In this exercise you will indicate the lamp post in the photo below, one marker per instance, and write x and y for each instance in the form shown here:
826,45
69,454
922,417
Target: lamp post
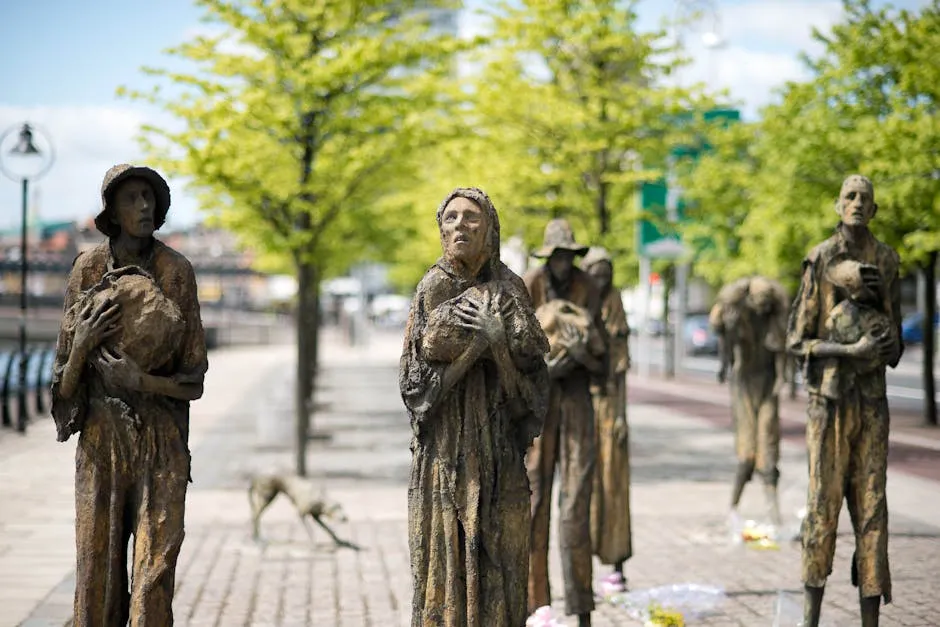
691,13
702,17
24,161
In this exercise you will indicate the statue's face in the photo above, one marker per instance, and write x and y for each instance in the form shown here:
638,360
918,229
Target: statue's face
856,203
762,304
602,273
133,208
561,263
463,230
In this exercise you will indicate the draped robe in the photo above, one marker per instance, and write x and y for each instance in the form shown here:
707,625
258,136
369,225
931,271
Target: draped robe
468,498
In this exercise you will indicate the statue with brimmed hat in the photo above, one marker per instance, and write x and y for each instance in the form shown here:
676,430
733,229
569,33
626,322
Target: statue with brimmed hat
568,303
845,326
749,317
130,357
611,532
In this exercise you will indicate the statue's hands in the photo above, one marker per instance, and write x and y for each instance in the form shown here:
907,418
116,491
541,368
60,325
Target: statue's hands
885,345
95,324
865,348
573,343
120,370
621,430
485,317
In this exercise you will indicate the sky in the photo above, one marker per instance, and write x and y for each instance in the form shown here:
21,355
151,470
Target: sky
63,61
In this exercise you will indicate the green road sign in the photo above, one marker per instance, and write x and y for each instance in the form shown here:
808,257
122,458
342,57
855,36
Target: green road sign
657,238
654,237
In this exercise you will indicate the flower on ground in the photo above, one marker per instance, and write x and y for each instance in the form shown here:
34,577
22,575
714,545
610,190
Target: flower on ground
542,617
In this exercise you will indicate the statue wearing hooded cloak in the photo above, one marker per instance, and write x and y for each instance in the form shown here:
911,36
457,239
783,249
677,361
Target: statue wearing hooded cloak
474,409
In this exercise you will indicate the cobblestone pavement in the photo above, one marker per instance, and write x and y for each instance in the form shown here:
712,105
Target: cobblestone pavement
682,469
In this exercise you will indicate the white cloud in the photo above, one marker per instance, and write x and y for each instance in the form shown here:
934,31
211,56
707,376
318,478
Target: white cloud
763,39
779,23
87,141
473,21
229,44
751,76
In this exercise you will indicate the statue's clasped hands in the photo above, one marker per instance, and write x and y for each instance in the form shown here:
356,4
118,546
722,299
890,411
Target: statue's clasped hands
484,316
574,343
879,343
119,370
96,323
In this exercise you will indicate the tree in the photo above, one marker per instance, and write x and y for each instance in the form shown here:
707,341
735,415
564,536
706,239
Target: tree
294,134
569,110
767,189
870,107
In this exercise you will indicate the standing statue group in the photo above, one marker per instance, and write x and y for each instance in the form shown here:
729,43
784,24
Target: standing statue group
844,327
506,380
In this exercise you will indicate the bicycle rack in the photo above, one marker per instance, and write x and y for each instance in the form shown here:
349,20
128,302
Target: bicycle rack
7,415
46,357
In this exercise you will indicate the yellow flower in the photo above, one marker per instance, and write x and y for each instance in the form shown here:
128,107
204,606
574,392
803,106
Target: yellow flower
664,617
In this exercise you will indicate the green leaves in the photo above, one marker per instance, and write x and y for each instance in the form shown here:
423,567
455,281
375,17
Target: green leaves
298,116
768,190
569,111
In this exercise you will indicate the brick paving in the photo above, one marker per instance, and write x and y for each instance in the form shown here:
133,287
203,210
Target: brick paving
682,468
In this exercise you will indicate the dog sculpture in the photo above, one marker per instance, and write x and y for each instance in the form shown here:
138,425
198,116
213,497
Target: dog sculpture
309,504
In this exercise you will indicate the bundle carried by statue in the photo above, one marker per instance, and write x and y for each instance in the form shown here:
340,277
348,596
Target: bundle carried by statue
151,324
559,315
861,312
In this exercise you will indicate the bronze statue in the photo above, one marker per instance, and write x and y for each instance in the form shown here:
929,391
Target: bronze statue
130,357
569,305
846,327
474,380
610,501
750,317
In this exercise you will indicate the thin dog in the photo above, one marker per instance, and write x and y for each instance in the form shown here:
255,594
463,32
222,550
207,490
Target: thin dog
309,504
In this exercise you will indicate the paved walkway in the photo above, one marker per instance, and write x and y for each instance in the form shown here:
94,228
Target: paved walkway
683,464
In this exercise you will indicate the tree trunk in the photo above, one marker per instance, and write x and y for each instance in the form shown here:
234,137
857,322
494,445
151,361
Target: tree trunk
669,337
930,310
308,287
305,343
314,331
603,212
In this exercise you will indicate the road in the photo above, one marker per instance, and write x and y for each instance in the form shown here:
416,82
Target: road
905,388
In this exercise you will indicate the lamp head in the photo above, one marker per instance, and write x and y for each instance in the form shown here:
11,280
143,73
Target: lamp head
25,146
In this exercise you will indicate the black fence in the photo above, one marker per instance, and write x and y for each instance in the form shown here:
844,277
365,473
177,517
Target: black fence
20,404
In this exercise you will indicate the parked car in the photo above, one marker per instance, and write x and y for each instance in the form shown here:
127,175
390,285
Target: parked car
698,337
655,327
912,327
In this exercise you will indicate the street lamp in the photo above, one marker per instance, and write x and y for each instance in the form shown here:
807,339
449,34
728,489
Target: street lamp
24,161
690,13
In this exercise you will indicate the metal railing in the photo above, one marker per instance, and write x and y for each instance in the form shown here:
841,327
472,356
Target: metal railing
34,396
